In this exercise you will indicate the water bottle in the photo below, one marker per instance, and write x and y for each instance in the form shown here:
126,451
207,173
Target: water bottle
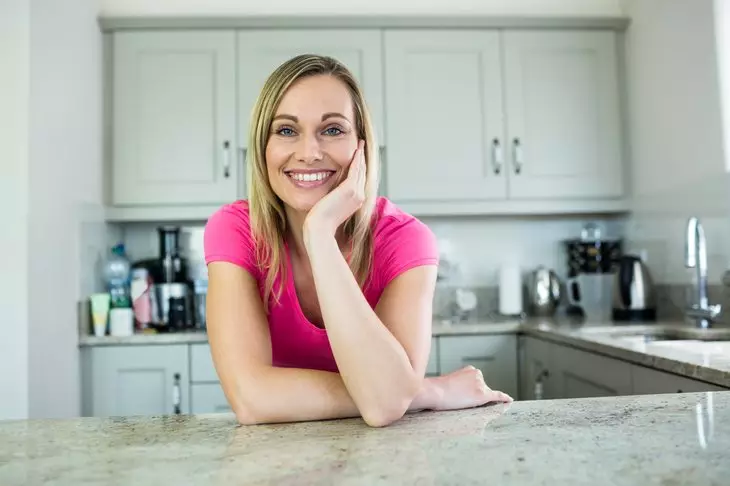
117,276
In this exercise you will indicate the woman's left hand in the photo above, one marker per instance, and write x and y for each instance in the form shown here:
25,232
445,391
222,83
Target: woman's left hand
336,207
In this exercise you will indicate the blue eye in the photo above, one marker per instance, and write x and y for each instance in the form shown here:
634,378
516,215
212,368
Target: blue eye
285,131
333,131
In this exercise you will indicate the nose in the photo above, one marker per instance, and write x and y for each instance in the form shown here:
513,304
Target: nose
308,150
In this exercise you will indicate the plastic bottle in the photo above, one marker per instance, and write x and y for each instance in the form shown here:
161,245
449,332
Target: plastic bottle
117,277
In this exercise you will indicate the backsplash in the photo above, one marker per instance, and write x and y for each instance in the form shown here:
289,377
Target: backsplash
478,245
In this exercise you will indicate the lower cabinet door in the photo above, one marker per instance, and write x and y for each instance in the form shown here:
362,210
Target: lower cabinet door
208,398
648,381
495,355
581,374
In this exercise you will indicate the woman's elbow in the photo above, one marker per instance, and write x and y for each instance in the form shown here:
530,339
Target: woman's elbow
384,414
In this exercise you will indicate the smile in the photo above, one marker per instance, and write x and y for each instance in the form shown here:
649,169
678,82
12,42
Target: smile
309,179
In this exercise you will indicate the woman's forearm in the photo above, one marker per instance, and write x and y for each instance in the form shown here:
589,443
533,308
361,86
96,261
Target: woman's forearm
374,366
297,395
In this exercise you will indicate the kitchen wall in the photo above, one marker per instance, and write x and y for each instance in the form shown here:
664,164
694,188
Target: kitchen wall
376,7
14,90
722,36
54,195
478,244
677,161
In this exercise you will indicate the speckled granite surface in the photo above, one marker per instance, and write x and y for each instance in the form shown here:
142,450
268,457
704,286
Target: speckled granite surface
645,440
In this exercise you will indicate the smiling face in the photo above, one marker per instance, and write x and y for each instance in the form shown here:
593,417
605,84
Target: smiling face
312,141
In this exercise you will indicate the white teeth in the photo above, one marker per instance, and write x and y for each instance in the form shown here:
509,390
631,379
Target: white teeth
318,176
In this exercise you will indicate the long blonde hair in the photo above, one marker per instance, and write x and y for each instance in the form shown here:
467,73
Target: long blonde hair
267,214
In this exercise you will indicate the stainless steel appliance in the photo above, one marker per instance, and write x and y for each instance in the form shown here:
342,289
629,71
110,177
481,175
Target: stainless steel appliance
543,292
173,307
634,294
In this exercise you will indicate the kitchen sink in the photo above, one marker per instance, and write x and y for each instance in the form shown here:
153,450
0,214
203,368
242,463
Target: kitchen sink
676,334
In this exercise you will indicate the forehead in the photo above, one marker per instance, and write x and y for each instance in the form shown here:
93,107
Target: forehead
315,95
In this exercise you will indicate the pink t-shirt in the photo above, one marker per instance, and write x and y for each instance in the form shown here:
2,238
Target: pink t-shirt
401,242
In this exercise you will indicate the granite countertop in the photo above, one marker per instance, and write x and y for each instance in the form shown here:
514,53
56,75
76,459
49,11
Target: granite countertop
637,440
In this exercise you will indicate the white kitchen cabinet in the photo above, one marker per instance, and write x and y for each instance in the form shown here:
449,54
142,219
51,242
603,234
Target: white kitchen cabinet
208,398
174,117
649,381
260,52
580,374
494,355
135,380
432,368
562,104
444,116
535,369
503,121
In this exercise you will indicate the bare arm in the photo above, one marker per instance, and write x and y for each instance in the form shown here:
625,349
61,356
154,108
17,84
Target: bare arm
381,354
241,349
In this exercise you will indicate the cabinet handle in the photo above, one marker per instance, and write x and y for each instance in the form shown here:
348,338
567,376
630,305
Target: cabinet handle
226,159
382,182
496,156
517,155
176,398
539,385
242,153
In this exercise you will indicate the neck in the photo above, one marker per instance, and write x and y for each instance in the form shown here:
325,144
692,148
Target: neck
295,232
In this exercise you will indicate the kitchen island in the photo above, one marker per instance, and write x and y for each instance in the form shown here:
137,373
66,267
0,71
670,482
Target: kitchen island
644,440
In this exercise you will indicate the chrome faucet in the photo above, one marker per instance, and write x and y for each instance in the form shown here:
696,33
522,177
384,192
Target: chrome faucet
695,256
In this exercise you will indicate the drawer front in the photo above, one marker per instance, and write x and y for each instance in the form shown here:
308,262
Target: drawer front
208,398
201,364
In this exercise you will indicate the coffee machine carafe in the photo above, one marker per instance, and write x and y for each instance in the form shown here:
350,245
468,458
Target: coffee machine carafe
172,265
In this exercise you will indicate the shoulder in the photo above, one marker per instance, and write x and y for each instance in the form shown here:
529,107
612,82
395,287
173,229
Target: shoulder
227,235
400,242
392,222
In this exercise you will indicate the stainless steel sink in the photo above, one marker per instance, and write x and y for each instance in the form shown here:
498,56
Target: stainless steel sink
677,334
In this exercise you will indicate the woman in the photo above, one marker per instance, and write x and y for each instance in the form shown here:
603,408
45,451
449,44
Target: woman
320,293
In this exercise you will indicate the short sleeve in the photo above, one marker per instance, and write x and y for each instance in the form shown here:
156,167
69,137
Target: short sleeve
227,238
403,243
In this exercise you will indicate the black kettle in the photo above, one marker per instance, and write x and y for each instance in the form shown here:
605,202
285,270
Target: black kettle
634,293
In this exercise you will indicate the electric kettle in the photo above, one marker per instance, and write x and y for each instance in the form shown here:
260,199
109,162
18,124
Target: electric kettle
543,292
634,294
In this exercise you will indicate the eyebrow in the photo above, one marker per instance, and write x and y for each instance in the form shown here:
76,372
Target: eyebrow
324,117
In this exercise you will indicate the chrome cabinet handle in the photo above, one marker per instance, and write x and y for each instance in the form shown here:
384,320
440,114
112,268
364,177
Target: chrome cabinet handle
226,159
518,156
242,152
176,395
496,156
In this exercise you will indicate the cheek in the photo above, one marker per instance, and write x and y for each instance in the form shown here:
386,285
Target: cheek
341,152
276,156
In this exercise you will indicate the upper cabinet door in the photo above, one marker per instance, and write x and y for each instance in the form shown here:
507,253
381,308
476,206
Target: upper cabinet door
562,97
444,116
260,52
174,118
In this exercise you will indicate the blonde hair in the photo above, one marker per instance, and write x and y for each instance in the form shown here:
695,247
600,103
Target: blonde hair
267,214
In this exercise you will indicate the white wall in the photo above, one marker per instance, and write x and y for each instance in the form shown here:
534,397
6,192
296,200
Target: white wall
722,36
677,167
374,7
14,59
65,189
